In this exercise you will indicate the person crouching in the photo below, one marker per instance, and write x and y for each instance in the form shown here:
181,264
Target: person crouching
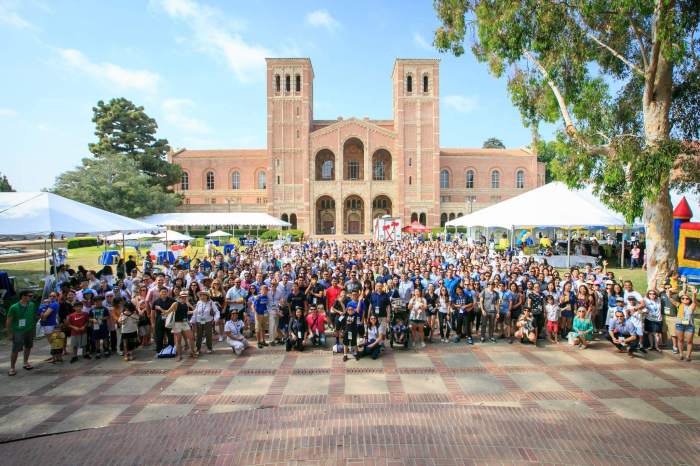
233,329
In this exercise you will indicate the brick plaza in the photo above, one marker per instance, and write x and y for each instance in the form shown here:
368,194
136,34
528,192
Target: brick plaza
448,404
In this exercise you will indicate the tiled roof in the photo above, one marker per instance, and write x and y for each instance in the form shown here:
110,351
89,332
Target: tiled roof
467,151
207,153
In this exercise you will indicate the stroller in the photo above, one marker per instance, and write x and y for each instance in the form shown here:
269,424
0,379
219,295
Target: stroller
398,323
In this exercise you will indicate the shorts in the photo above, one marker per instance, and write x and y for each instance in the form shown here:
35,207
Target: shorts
515,315
652,326
567,314
22,340
48,328
417,321
262,322
130,340
552,326
179,327
57,351
78,341
681,328
144,330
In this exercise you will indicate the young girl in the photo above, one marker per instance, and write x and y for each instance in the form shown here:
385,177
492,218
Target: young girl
129,321
350,333
551,309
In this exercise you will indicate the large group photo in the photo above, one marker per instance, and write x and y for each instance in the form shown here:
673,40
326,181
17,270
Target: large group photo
224,242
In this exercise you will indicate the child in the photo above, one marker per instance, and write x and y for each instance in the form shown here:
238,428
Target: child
350,333
77,323
57,339
400,333
129,321
100,332
553,312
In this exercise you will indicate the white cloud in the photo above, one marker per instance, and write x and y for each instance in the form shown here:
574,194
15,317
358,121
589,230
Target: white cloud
7,112
9,16
175,113
461,103
321,18
111,74
420,41
215,36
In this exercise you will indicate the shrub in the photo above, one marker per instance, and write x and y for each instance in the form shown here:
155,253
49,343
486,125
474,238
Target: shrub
84,241
296,235
270,235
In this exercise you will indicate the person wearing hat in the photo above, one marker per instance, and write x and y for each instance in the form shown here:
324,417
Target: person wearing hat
180,326
205,313
234,333
685,323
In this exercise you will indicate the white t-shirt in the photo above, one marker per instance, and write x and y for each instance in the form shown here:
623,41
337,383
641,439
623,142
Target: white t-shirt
553,312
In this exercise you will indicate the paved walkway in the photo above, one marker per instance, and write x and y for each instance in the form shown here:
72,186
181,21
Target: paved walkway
448,404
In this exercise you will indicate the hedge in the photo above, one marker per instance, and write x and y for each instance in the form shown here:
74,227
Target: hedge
83,241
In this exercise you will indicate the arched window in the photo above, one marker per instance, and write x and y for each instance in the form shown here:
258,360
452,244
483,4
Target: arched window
297,83
210,180
325,165
277,83
444,179
235,180
285,218
495,179
452,216
379,170
293,221
262,179
520,179
414,217
443,219
287,83
425,83
185,182
470,179
409,83
421,218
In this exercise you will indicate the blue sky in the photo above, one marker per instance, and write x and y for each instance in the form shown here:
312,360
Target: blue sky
197,66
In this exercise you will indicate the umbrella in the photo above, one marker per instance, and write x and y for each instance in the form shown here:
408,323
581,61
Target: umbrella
218,234
416,227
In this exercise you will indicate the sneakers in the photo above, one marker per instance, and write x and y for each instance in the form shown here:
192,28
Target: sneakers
492,340
73,359
470,341
675,350
260,345
357,356
422,344
221,338
482,339
345,357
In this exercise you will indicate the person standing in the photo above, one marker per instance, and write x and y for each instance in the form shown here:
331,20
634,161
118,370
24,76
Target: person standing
21,320
205,314
489,308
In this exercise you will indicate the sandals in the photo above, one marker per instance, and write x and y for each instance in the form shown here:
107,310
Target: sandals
11,372
27,367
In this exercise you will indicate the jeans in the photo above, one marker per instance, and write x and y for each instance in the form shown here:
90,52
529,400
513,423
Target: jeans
204,331
464,324
319,339
488,320
297,344
444,326
632,345
161,333
373,352
539,324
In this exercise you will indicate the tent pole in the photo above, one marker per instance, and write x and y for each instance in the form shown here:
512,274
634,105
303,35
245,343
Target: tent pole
622,251
568,247
53,260
124,253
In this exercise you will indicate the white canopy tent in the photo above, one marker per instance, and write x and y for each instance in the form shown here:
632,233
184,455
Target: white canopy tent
172,235
218,234
233,219
551,205
130,236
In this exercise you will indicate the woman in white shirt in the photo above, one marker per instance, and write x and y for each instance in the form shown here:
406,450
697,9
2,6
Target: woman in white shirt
417,307
234,333
205,313
653,319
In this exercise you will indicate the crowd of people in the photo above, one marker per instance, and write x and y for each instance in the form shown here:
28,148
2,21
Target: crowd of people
351,297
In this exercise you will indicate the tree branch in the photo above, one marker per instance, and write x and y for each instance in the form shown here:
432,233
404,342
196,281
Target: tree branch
568,121
642,47
650,76
616,54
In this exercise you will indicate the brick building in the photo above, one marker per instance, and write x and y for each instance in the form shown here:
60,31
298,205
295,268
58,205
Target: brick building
331,177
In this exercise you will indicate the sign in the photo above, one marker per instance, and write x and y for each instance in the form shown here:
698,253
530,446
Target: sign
386,228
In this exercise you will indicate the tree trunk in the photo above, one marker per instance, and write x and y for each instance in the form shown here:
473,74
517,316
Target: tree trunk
658,215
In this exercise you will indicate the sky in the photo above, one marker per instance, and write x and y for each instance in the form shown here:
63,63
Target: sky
197,67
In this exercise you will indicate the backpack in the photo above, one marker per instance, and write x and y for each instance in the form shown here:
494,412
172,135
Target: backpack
167,352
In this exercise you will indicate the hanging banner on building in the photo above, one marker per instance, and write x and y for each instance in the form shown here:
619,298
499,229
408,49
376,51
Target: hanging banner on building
386,228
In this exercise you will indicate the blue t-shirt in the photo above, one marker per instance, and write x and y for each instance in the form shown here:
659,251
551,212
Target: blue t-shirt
356,306
451,284
52,318
261,304
506,298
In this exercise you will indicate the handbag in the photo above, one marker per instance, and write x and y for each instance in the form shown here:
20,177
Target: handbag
169,320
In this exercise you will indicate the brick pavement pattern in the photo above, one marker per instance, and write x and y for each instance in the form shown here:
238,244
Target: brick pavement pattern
447,404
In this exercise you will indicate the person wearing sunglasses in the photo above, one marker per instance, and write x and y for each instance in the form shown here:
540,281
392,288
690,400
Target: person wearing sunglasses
685,324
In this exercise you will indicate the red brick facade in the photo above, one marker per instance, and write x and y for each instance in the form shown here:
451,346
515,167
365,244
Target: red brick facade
331,177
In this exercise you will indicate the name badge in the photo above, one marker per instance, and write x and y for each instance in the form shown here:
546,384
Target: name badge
22,323
349,335
298,334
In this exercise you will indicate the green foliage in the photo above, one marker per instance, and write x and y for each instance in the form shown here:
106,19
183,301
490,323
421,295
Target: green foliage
493,143
580,49
296,235
270,235
123,128
81,242
5,186
113,182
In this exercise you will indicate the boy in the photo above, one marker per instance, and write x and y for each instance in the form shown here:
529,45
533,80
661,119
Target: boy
400,333
553,315
100,333
77,323
57,340
350,333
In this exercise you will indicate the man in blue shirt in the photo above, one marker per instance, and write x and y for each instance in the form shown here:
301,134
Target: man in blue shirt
623,335
261,307
451,282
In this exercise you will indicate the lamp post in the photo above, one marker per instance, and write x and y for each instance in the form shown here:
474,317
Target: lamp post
471,200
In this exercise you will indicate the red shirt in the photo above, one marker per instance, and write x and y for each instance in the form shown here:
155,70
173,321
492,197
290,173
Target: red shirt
316,323
78,320
331,295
